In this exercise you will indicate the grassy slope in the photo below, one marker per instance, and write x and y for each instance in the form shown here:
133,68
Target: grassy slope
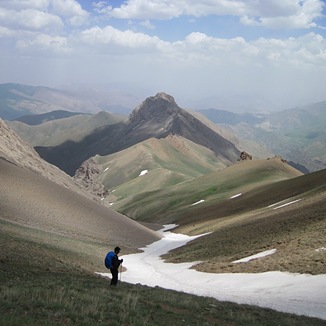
176,202
168,161
46,279
246,225
47,276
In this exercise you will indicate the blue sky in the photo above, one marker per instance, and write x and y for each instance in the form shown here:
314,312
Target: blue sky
238,55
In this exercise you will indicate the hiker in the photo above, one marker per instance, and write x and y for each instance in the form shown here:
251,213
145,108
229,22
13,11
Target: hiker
113,262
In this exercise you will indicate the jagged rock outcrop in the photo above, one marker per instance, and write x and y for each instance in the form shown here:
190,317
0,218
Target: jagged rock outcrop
244,156
87,176
280,158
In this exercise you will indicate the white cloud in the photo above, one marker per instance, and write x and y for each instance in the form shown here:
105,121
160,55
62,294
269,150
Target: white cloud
43,42
198,49
284,14
40,14
267,13
101,7
147,24
114,37
142,9
31,19
198,64
6,32
71,9
25,4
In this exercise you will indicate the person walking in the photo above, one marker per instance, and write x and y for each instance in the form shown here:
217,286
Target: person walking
113,262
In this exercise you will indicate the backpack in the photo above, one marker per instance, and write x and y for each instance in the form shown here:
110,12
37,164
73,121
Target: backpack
108,259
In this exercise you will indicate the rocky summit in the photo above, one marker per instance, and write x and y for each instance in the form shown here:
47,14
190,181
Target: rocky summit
157,117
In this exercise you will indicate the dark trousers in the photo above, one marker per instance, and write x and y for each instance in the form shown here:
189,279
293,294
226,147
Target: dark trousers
114,272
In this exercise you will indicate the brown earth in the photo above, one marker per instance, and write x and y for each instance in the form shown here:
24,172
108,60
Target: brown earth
30,200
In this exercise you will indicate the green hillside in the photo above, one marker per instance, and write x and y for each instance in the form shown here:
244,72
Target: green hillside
176,202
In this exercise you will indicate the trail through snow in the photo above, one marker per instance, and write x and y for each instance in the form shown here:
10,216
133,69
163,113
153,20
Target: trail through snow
300,294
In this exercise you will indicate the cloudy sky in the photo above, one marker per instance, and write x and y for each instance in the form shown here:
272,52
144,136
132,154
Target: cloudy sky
228,54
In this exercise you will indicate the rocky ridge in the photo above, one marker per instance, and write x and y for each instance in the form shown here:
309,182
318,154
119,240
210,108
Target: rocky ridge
157,117
17,151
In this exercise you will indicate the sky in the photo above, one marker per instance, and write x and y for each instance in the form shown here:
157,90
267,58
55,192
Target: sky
237,55
299,294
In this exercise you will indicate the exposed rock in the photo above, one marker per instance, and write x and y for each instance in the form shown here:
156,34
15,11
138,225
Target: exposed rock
87,176
244,156
280,158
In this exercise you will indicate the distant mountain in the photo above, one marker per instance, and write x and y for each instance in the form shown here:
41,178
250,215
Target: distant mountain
157,117
18,100
55,132
230,118
38,119
297,134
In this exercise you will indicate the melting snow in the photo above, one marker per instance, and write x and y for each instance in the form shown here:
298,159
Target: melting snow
235,196
143,173
198,202
286,204
293,293
106,169
259,255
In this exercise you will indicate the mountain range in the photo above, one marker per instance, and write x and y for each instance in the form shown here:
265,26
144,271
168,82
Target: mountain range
159,151
74,184
17,100
296,134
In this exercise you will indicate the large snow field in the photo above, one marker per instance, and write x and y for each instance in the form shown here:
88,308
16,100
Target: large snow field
299,294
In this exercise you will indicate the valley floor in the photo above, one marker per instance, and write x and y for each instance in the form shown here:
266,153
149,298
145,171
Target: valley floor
300,294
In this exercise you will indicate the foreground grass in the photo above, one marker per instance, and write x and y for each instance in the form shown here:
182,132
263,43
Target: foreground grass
38,286
63,299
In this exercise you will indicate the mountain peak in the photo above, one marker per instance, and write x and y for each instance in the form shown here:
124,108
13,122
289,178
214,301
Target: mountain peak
164,96
158,106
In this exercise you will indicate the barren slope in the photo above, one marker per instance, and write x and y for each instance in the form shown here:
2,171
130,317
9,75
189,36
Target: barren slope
29,199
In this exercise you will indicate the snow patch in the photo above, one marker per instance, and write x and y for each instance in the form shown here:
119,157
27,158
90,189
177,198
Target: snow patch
259,255
143,173
105,169
321,249
198,202
235,196
286,204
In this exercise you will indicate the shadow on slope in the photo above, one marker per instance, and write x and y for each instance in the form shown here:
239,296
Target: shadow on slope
58,131
29,200
157,117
